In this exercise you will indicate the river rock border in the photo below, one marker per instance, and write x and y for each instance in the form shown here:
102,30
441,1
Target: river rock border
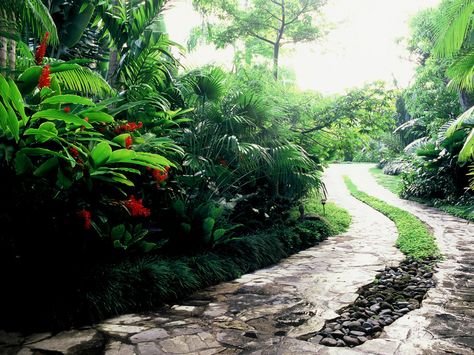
394,292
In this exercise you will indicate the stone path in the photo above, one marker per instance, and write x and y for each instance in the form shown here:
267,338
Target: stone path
264,312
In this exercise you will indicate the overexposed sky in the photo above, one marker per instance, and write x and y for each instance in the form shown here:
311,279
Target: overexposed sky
361,48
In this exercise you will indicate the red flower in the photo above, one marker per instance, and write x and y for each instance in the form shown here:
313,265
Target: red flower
41,50
67,109
128,127
86,217
136,208
86,119
45,79
128,142
74,152
160,175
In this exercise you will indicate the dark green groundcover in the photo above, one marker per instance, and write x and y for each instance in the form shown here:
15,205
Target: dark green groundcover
57,297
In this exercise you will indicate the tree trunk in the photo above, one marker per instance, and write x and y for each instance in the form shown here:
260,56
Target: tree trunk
3,54
113,65
464,100
12,57
276,54
12,53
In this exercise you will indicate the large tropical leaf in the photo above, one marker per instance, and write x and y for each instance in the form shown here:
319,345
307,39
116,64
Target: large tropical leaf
84,81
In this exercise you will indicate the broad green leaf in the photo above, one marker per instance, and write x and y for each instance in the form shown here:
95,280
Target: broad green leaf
467,152
68,99
60,67
207,227
120,139
122,156
147,246
12,123
28,80
57,115
98,117
45,132
3,117
179,207
17,100
186,228
4,88
46,167
101,153
62,180
117,232
219,233
22,163
41,151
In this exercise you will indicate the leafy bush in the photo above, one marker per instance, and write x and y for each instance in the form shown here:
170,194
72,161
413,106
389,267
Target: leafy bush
72,297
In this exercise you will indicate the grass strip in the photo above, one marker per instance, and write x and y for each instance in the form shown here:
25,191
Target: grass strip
393,183
414,238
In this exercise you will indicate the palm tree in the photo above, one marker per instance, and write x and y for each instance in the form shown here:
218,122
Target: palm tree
22,16
454,29
126,22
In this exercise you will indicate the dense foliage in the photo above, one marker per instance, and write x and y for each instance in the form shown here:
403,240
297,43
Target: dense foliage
118,165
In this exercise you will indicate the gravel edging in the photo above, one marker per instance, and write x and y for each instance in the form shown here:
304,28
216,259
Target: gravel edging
395,292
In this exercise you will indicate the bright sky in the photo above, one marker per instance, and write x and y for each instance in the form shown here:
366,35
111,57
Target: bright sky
362,47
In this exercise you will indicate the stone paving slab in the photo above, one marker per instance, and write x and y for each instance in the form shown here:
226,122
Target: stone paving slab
264,312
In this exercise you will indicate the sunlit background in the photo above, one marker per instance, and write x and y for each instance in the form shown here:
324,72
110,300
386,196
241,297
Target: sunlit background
365,45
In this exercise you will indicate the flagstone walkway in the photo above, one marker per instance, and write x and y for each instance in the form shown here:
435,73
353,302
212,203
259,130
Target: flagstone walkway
265,312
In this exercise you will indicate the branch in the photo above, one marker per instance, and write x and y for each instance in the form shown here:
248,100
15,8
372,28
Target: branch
261,38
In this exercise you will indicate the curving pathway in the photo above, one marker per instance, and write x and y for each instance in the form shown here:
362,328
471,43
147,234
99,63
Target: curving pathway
264,312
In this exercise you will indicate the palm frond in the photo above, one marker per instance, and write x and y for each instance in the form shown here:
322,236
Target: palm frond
39,20
416,145
461,71
467,152
85,81
463,121
452,28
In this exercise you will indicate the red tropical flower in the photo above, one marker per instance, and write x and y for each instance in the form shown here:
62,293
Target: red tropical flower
160,175
223,162
41,50
74,152
67,109
86,217
45,79
136,208
128,127
128,142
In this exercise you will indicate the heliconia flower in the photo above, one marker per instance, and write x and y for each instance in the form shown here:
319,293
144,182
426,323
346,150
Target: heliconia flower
45,79
86,217
41,50
67,109
136,208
